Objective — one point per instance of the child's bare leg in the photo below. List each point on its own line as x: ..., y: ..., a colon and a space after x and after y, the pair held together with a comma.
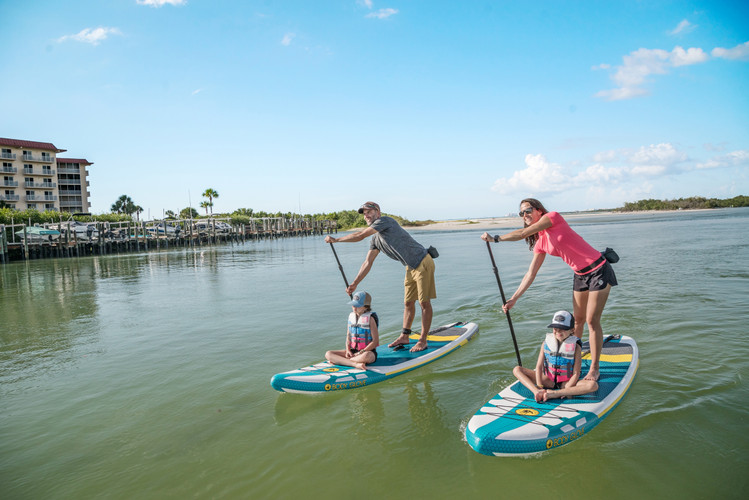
x: 527, y: 377
x: 362, y: 359
x: 582, y: 387
x: 339, y: 358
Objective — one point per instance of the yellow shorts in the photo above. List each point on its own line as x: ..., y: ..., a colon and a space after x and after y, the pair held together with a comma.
x: 419, y: 282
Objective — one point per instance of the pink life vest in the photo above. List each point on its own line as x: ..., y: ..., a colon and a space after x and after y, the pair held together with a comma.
x: 360, y: 333
x: 559, y: 360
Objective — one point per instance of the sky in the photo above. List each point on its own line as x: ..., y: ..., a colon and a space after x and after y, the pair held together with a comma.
x: 434, y: 109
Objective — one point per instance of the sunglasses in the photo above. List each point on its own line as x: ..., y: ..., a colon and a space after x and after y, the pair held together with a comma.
x: 525, y: 212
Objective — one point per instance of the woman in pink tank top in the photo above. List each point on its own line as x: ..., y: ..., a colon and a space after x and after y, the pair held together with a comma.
x: 548, y: 233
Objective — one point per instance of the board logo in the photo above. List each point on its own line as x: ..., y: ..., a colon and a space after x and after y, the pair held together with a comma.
x: 330, y: 369
x: 527, y: 412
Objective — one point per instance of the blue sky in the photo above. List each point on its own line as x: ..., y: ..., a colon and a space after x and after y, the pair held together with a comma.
x: 434, y: 109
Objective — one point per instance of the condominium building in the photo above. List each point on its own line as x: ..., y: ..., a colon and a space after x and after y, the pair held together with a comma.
x: 35, y: 177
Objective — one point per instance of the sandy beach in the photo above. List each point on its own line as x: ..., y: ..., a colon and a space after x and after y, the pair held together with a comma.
x: 492, y: 223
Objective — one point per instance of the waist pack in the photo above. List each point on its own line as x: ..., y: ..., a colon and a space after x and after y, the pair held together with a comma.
x: 434, y: 253
x: 610, y: 255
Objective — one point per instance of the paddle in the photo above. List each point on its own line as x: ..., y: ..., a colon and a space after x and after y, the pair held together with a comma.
x: 502, y: 293
x: 340, y: 267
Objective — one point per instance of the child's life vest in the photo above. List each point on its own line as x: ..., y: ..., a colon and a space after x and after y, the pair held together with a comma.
x: 559, y: 360
x: 360, y: 333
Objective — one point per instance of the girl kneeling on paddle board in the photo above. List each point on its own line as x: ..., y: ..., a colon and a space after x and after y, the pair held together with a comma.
x: 362, y: 337
x: 557, y: 372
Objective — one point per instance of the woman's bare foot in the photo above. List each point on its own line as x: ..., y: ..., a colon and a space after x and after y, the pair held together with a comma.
x: 541, y: 396
x: 361, y: 366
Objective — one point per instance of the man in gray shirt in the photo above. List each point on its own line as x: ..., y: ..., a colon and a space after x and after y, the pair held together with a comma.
x: 396, y: 243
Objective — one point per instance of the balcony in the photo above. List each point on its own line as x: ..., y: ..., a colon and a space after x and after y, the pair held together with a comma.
x: 68, y: 192
x: 45, y: 171
x: 40, y: 159
x: 9, y: 197
x: 43, y: 185
x: 8, y: 156
x: 33, y: 197
x: 71, y: 182
x: 10, y: 183
x: 9, y: 170
x: 68, y: 170
x: 72, y: 203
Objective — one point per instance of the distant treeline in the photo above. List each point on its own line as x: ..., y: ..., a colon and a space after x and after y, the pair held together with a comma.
x: 345, y: 219
x: 685, y: 204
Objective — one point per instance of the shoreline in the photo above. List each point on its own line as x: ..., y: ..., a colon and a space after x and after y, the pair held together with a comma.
x: 484, y: 224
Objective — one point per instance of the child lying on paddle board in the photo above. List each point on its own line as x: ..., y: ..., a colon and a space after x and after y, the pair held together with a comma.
x: 557, y: 372
x: 362, y: 337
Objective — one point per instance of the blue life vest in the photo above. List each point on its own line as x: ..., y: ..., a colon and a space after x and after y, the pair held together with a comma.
x: 360, y: 333
x: 559, y: 360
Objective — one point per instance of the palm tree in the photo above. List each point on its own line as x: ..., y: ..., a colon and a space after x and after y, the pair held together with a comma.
x: 122, y: 205
x: 137, y: 209
x: 205, y: 204
x: 209, y: 193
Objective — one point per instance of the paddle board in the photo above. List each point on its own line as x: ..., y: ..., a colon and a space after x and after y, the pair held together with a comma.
x: 513, y: 424
x: 326, y: 377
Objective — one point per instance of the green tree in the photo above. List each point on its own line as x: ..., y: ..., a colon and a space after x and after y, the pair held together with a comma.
x: 205, y: 204
x: 123, y: 205
x: 170, y: 215
x: 209, y: 193
x: 188, y: 213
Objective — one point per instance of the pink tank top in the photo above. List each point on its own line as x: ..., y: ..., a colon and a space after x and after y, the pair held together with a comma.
x: 561, y: 241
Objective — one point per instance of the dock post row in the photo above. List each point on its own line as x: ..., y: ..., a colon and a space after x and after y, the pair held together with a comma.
x: 17, y: 242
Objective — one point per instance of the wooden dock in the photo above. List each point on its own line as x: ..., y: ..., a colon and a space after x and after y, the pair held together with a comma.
x: 18, y: 241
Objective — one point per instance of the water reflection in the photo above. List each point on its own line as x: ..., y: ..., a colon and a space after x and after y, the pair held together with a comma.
x: 48, y: 308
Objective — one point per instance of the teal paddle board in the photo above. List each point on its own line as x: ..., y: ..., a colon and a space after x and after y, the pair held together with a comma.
x: 512, y: 423
x: 326, y: 377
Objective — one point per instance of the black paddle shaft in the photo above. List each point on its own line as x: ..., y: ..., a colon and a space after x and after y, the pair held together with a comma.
x: 502, y: 294
x: 340, y: 267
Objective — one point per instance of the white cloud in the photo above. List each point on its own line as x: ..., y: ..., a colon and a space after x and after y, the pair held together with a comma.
x: 366, y: 3
x: 94, y: 36
x: 383, y: 13
x: 540, y: 176
x: 739, y: 52
x: 197, y: 91
x: 627, y: 166
x: 637, y: 66
x: 738, y: 158
x: 661, y: 154
x: 682, y: 28
x: 160, y: 3
x: 287, y: 38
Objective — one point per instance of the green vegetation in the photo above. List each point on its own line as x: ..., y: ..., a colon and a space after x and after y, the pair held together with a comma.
x: 684, y: 204
x: 346, y: 219
x: 10, y: 215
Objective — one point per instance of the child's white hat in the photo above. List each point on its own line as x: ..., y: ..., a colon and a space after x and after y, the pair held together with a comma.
x: 562, y: 320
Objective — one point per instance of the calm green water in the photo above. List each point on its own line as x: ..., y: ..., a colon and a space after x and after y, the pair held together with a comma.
x: 147, y: 376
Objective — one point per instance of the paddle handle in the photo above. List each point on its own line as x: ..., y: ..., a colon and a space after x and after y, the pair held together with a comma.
x: 504, y: 301
x: 340, y: 268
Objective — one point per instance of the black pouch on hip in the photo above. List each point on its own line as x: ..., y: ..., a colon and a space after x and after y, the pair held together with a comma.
x: 610, y: 255
x: 434, y: 253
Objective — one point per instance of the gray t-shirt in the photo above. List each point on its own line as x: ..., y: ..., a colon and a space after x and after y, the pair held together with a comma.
x: 396, y: 243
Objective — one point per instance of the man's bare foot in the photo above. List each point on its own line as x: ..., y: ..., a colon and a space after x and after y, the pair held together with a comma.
x: 541, y: 396
x: 592, y: 375
x: 420, y: 346
x: 401, y: 340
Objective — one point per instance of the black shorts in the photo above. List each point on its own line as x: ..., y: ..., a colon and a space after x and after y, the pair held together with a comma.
x: 595, y: 280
